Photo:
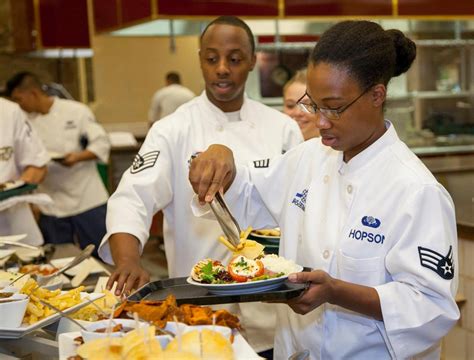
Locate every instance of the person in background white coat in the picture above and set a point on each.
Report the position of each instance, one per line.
(357, 206)
(69, 131)
(293, 90)
(22, 157)
(158, 177)
(166, 100)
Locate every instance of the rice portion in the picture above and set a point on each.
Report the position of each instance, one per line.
(279, 264)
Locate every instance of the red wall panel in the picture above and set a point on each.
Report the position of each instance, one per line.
(134, 10)
(337, 7)
(216, 7)
(435, 7)
(63, 23)
(105, 14)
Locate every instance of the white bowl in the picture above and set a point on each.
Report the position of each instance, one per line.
(90, 333)
(12, 312)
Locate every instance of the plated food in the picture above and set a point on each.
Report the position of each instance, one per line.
(267, 232)
(36, 311)
(33, 269)
(241, 269)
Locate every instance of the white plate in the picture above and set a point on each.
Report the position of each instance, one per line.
(12, 185)
(248, 287)
(6, 253)
(254, 234)
(242, 349)
(13, 238)
(93, 265)
(6, 333)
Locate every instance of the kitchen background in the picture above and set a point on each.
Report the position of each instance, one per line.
(113, 55)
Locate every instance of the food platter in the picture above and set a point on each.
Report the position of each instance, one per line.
(248, 287)
(242, 349)
(16, 333)
(10, 185)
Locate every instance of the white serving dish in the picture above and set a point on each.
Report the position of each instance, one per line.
(12, 312)
(16, 333)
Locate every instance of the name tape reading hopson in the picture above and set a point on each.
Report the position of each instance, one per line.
(145, 161)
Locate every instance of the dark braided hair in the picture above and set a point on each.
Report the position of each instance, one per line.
(371, 54)
(234, 21)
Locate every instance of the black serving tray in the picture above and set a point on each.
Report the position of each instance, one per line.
(186, 293)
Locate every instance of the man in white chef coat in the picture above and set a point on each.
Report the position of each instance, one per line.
(357, 206)
(76, 141)
(157, 179)
(22, 157)
(166, 100)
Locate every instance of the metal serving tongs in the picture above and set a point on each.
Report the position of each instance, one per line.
(229, 225)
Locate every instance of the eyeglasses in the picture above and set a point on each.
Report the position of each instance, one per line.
(330, 114)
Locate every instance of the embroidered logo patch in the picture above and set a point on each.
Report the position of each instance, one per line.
(261, 164)
(300, 199)
(6, 153)
(370, 221)
(440, 264)
(142, 162)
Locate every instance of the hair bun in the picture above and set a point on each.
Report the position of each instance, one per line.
(405, 50)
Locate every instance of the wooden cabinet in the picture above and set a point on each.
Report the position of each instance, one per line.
(216, 8)
(338, 7)
(63, 23)
(435, 8)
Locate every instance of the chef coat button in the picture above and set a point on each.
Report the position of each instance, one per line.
(349, 189)
(300, 239)
(220, 128)
(326, 179)
(325, 254)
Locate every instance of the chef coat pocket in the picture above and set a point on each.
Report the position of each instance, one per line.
(362, 271)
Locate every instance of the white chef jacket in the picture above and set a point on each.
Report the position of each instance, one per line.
(166, 100)
(78, 188)
(159, 180)
(366, 222)
(19, 147)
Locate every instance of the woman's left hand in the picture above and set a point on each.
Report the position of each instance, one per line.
(318, 292)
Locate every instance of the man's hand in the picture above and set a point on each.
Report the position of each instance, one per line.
(212, 171)
(75, 157)
(319, 292)
(70, 159)
(128, 275)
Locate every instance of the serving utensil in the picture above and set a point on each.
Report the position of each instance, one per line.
(84, 254)
(19, 244)
(52, 307)
(229, 225)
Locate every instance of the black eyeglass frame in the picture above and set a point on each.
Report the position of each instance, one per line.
(331, 114)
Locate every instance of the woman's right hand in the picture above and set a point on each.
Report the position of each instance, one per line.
(212, 171)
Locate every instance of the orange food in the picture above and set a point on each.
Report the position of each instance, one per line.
(159, 312)
(242, 269)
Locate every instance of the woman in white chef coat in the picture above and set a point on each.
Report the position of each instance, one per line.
(356, 205)
(293, 90)
(158, 177)
(22, 156)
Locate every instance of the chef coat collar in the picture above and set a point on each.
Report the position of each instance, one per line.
(364, 157)
(218, 115)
